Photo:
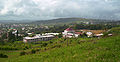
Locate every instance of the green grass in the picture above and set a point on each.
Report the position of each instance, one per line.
(53, 44)
(104, 50)
(69, 50)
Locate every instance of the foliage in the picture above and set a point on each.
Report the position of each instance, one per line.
(55, 28)
(94, 26)
(60, 35)
(104, 50)
(114, 31)
(3, 55)
(33, 51)
(32, 35)
(22, 53)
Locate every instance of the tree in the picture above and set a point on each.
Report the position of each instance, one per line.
(11, 37)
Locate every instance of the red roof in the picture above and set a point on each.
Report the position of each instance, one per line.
(69, 29)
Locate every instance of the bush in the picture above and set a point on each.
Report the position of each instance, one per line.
(33, 51)
(38, 49)
(50, 42)
(22, 53)
(44, 44)
(58, 46)
(3, 56)
(26, 47)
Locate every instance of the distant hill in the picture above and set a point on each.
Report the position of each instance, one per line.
(69, 20)
(15, 21)
(60, 21)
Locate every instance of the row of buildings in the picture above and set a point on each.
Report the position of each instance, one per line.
(68, 33)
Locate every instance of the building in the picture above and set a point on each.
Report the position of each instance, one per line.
(89, 34)
(38, 38)
(55, 34)
(70, 33)
(110, 34)
(98, 35)
(93, 33)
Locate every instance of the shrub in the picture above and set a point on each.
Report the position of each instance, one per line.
(33, 51)
(50, 42)
(58, 46)
(78, 42)
(44, 44)
(22, 53)
(38, 49)
(8, 48)
(26, 47)
(3, 56)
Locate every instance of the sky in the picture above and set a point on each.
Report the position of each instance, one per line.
(50, 9)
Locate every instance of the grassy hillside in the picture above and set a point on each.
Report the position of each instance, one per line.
(68, 50)
(104, 50)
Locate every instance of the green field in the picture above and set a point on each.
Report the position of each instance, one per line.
(106, 49)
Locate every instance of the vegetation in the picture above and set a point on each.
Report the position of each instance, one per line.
(82, 49)
(22, 53)
(3, 56)
(61, 28)
(33, 51)
(104, 50)
(62, 21)
(94, 26)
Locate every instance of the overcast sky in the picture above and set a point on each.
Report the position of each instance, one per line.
(49, 9)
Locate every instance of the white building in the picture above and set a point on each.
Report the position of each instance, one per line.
(29, 33)
(98, 35)
(51, 34)
(69, 33)
(38, 38)
(89, 34)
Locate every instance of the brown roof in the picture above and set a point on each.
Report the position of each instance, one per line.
(78, 32)
(94, 31)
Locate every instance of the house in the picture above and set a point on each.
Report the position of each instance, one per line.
(98, 35)
(110, 34)
(89, 34)
(38, 38)
(70, 33)
(29, 33)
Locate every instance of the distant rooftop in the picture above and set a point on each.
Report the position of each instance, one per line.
(69, 29)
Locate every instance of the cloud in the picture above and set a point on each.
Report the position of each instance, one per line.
(47, 9)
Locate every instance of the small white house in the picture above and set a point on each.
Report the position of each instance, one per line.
(29, 33)
(89, 34)
(110, 34)
(98, 35)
